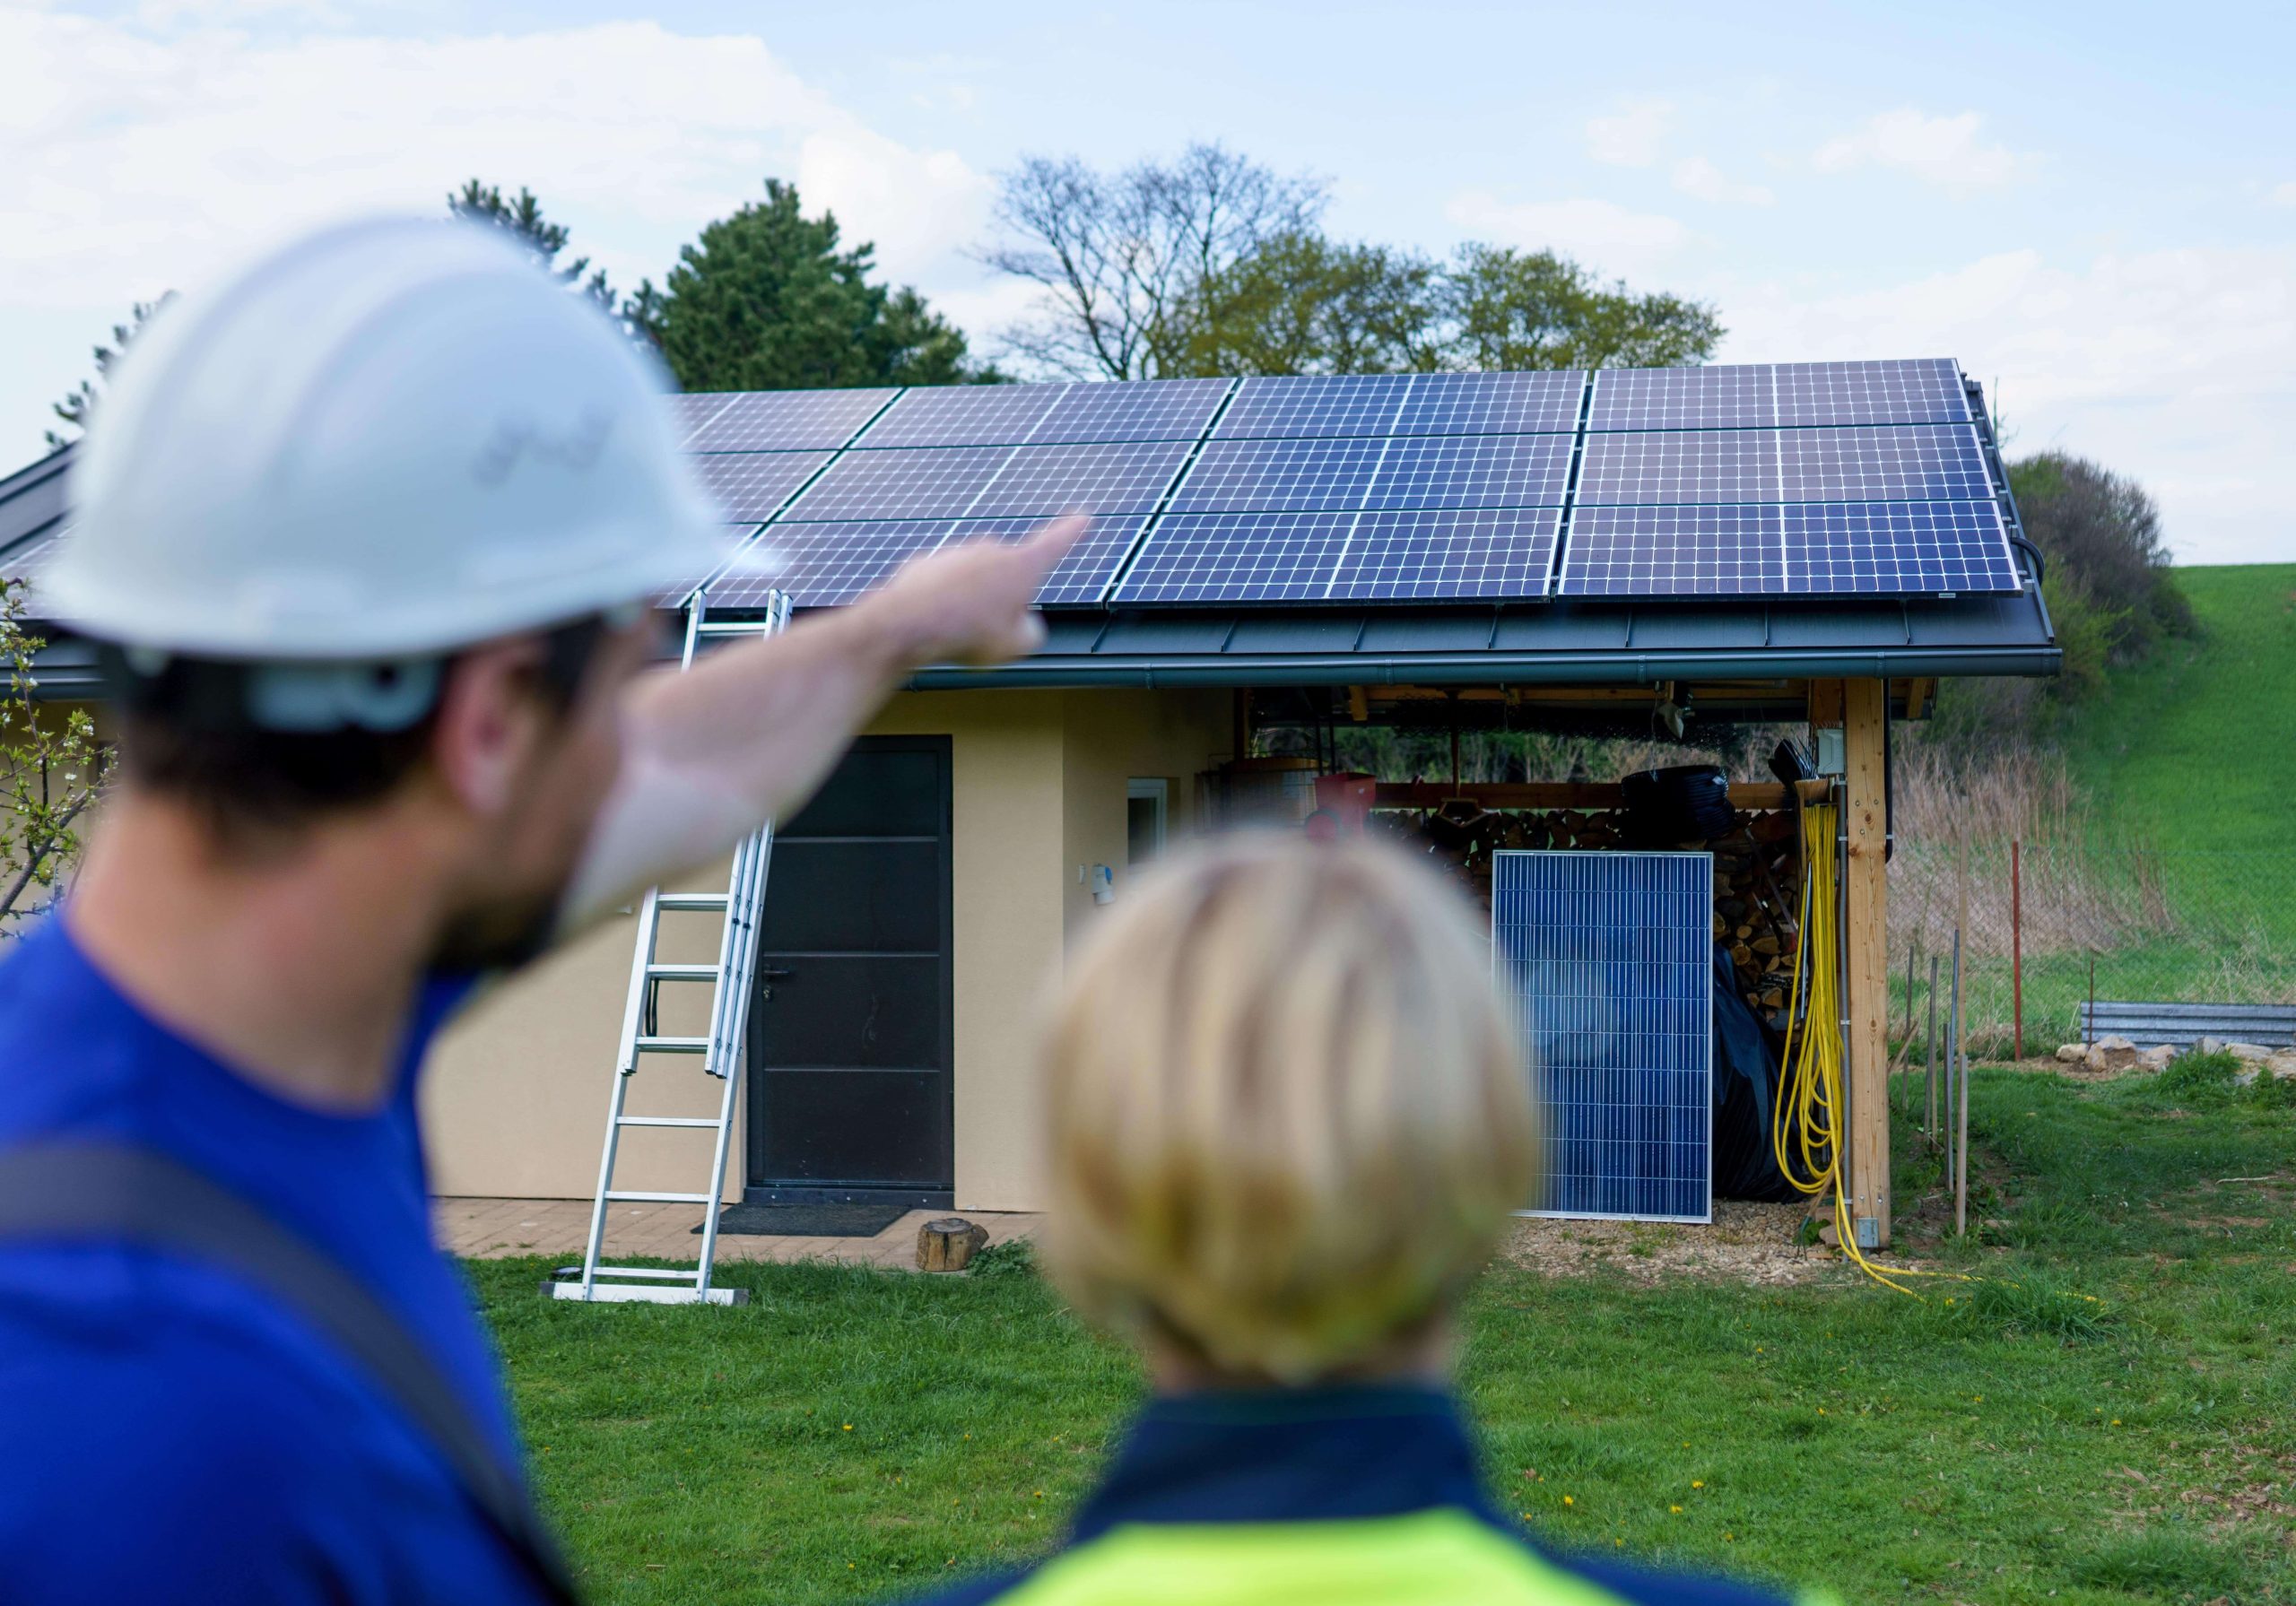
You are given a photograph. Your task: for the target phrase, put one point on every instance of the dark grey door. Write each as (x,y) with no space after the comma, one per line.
(850,1046)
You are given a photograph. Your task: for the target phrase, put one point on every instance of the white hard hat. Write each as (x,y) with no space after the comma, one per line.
(388,440)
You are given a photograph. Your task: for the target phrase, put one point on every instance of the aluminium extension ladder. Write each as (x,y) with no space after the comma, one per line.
(730,981)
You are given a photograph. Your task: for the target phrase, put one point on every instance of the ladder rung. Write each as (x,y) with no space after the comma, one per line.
(692,1276)
(689,900)
(618,1197)
(665,1121)
(682,972)
(661,1045)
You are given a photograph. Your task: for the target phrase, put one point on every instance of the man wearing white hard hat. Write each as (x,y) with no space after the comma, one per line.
(368,539)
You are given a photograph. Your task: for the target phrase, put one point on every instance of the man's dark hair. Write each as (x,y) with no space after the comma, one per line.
(187,732)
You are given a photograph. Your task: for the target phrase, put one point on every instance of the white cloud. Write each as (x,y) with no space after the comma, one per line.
(1606,237)
(1632,136)
(140,161)
(1941,150)
(2176,366)
(1701,180)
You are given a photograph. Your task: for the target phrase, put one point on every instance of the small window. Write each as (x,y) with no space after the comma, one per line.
(1145,802)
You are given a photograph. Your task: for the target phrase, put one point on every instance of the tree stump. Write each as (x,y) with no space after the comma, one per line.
(946,1242)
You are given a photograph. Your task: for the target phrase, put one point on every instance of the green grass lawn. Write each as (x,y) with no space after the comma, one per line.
(2193,747)
(2110,1417)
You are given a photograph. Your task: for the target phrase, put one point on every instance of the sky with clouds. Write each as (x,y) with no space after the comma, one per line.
(2092,206)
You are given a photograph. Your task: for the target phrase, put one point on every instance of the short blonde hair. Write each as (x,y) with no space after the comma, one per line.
(1287,1118)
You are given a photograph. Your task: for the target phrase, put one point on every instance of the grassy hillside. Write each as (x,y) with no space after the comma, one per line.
(2196,747)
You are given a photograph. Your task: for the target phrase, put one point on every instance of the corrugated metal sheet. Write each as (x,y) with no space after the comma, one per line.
(2181,1025)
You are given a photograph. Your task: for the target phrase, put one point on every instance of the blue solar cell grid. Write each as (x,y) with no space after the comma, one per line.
(823,565)
(1679,465)
(1270,476)
(963,415)
(1895,548)
(1928,391)
(1607,959)
(1881,463)
(1117,477)
(1144,410)
(1728,398)
(1314,406)
(750,485)
(1473,471)
(937,482)
(1491,403)
(690,410)
(1493,554)
(1673,552)
(785,421)
(1234,557)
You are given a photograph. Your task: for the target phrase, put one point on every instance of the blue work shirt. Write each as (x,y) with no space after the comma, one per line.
(167,1431)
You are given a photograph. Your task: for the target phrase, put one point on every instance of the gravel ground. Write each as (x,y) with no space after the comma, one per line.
(1753,1243)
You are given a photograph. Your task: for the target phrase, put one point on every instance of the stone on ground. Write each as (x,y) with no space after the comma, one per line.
(2112,1054)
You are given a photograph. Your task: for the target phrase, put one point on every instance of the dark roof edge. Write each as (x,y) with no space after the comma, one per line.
(1627,667)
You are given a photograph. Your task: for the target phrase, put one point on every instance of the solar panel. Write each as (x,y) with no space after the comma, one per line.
(1473,471)
(1672,551)
(1881,463)
(962,415)
(1235,556)
(785,421)
(1607,959)
(749,485)
(1495,554)
(690,410)
(1300,476)
(1806,549)
(1680,465)
(1319,405)
(1928,391)
(926,483)
(1491,403)
(24,562)
(1895,547)
(1733,397)
(1138,410)
(1117,477)
(825,565)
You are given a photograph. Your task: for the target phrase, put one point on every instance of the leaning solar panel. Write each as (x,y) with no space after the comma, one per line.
(964,415)
(752,484)
(1238,557)
(1608,960)
(1881,463)
(1895,548)
(1491,554)
(786,421)
(1926,391)
(1110,477)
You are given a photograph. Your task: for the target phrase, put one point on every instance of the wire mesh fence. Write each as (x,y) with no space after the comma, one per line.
(2049,925)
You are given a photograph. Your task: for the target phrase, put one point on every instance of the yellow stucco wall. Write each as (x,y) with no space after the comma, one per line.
(514,1099)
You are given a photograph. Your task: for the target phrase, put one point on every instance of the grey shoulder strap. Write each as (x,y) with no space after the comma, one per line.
(89,1194)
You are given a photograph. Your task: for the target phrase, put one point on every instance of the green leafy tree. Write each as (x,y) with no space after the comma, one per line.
(766,299)
(520,216)
(51,769)
(1534,309)
(74,409)
(1301,304)
(2100,533)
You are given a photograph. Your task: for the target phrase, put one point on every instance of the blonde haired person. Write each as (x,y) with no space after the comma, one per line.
(1286,1122)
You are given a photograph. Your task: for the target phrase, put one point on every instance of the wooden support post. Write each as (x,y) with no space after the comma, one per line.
(1865,912)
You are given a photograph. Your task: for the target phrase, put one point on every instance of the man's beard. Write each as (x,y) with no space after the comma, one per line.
(499,935)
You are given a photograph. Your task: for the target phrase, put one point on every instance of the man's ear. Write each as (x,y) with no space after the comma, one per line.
(489,724)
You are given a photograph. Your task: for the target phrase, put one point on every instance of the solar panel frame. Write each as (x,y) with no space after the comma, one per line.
(1607,959)
(962,415)
(788,420)
(753,485)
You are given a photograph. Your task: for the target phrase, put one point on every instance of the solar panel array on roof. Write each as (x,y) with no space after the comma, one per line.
(1805,479)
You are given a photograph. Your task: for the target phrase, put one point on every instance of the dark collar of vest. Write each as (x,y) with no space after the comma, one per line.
(1287,1455)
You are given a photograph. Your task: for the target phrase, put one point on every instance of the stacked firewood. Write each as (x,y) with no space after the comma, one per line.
(1757,876)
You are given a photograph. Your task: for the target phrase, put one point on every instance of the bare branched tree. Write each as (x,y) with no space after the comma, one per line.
(1125,260)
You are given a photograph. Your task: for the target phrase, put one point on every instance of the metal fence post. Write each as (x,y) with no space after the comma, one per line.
(1929,1057)
(2017,945)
